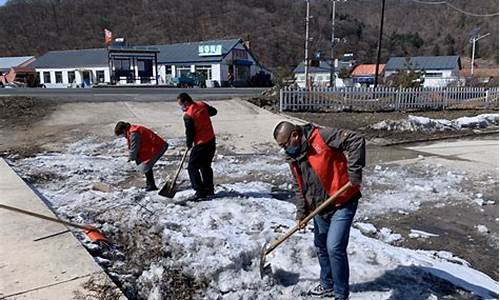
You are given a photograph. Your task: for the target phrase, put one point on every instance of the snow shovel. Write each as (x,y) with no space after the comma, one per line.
(266,250)
(169,189)
(90,231)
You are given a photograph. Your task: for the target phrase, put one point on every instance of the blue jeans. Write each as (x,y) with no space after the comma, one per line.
(331,235)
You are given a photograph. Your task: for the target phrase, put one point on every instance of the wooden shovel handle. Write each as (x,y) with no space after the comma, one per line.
(30,213)
(323,205)
(180,166)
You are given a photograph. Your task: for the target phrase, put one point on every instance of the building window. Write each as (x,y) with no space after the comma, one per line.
(71,76)
(182,70)
(46,77)
(59,77)
(433,74)
(145,70)
(100,76)
(122,69)
(168,70)
(205,70)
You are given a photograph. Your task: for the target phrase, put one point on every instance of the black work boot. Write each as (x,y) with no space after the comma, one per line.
(150,181)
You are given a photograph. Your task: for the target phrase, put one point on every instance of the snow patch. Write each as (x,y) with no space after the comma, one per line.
(428,125)
(415,234)
(215,245)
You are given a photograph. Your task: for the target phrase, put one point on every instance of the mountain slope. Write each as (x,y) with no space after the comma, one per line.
(275,27)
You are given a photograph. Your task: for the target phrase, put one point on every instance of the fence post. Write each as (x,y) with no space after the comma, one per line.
(281,99)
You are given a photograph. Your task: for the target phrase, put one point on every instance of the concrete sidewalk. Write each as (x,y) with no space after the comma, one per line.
(34,265)
(239,126)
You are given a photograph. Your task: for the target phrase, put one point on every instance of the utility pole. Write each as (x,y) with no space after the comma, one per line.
(473,40)
(379,46)
(332,57)
(306,51)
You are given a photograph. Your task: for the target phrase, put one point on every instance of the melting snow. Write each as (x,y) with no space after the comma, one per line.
(218,241)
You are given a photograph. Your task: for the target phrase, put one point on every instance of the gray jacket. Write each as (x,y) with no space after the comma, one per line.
(353,146)
(135,144)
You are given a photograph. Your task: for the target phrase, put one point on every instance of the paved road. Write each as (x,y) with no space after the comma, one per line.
(136,94)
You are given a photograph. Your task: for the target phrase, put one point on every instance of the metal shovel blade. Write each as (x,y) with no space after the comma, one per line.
(263,268)
(168,190)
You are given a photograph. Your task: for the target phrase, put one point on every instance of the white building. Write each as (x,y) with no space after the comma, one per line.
(73,68)
(214,59)
(149,65)
(438,71)
(320,75)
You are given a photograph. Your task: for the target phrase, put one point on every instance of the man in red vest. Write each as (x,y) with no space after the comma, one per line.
(320,167)
(145,148)
(200,137)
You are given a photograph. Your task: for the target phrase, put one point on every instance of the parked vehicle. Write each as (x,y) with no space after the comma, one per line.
(190,80)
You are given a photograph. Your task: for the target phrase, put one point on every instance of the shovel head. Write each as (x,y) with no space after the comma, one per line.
(168,190)
(95,235)
(263,268)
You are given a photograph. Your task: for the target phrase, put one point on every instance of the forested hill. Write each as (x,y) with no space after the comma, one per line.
(274,27)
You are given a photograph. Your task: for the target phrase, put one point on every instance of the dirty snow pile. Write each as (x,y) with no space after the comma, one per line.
(210,249)
(428,125)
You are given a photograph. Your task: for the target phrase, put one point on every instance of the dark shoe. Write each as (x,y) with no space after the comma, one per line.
(196,197)
(150,181)
(150,188)
(319,291)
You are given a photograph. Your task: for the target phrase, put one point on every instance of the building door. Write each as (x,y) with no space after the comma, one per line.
(242,72)
(86,79)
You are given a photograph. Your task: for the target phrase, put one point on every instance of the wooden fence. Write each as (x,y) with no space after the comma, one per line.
(386,99)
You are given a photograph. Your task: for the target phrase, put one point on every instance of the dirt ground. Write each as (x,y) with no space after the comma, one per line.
(16,112)
(18,132)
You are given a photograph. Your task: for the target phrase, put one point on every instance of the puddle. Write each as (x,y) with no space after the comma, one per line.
(379,154)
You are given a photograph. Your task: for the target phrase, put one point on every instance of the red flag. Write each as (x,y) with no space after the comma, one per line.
(108,37)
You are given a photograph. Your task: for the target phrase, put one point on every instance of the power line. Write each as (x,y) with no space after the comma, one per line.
(455,8)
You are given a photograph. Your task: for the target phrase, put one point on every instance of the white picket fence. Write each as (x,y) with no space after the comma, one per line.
(386,99)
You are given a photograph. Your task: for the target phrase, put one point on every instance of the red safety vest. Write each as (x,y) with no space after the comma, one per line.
(330,166)
(151,144)
(203,130)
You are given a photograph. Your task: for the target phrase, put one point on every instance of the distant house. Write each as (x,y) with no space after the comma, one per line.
(150,65)
(364,74)
(77,68)
(438,71)
(14,69)
(320,75)
(15,61)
